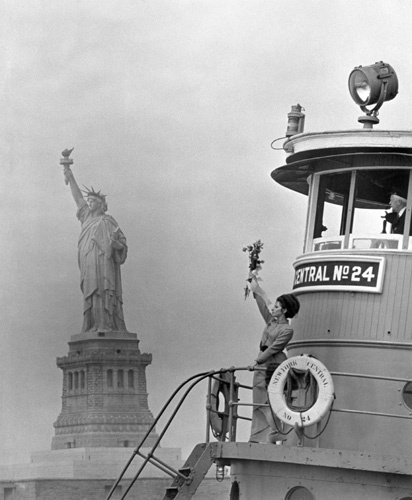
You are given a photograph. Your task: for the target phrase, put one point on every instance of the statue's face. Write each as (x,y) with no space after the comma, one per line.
(94,204)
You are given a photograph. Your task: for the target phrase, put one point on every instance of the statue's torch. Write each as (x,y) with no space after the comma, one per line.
(66,162)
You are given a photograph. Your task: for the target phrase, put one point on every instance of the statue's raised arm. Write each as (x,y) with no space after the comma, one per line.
(102,250)
(69,179)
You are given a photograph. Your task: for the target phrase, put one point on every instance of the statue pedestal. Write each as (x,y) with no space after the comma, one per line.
(87,463)
(104,399)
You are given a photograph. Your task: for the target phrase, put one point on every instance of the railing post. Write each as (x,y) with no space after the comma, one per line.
(208,407)
(232,407)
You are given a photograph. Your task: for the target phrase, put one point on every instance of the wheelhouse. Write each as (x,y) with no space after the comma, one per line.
(349,189)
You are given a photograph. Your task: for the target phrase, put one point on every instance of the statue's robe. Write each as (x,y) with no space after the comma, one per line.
(100,279)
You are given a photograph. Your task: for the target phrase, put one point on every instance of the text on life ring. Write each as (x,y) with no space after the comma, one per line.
(323,401)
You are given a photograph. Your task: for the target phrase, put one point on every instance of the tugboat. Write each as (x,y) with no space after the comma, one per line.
(344,395)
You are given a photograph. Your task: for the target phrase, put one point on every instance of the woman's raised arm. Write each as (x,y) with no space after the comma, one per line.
(262,300)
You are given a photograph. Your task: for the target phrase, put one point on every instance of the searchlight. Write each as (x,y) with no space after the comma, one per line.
(372,85)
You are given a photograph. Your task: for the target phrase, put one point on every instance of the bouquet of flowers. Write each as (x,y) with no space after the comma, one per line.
(255,264)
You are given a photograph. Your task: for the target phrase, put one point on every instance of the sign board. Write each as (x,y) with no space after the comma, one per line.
(339,272)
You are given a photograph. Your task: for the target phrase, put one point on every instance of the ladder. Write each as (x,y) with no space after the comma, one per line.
(187,479)
(194,470)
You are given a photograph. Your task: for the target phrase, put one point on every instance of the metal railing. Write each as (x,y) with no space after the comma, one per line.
(372,377)
(224,383)
(222,390)
(228,416)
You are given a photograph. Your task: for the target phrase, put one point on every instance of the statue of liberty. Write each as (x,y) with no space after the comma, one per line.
(102,250)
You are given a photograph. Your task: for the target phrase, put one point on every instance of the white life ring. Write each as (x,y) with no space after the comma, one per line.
(323,402)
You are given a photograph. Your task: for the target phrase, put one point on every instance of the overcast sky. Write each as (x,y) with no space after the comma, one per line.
(172,107)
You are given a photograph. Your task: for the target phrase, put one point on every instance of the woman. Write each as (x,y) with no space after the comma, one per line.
(276,336)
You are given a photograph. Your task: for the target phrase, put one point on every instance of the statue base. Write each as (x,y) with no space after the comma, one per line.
(87,463)
(104,397)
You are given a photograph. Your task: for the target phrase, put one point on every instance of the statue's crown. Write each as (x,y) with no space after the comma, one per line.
(92,192)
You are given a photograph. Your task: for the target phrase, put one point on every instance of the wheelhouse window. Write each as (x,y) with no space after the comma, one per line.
(351,210)
(331,211)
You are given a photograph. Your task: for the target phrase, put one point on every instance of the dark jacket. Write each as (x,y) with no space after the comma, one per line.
(398,225)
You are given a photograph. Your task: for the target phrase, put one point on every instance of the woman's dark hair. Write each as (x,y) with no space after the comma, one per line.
(290,303)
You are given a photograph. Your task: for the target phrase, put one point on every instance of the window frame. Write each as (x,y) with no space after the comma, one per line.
(314,181)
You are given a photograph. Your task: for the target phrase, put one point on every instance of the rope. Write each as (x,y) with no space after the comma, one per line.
(276,424)
(324,427)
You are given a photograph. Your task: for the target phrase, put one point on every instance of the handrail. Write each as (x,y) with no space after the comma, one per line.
(230,413)
(156,420)
(150,458)
(372,413)
(232,404)
(373,377)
